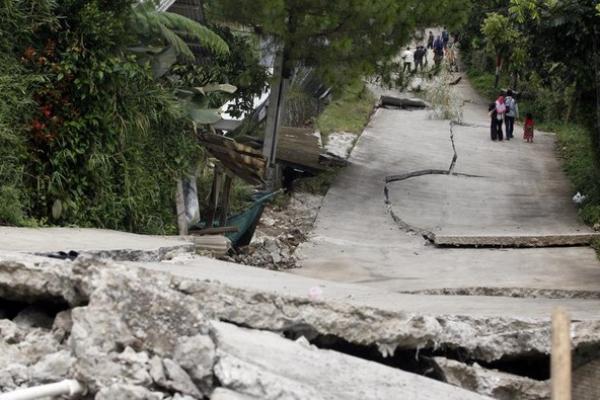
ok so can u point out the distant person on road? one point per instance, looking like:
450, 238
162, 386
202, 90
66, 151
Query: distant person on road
445, 37
528, 128
500, 112
451, 56
512, 112
493, 128
438, 51
418, 57
430, 40
407, 57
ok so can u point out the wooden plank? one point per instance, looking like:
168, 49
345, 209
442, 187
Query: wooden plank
225, 202
299, 146
214, 197
180, 205
214, 231
561, 355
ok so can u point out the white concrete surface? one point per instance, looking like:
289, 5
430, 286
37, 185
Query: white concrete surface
356, 241
364, 295
46, 240
266, 366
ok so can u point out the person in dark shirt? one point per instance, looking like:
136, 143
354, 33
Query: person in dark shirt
418, 57
493, 122
430, 40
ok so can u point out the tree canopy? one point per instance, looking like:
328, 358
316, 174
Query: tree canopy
340, 38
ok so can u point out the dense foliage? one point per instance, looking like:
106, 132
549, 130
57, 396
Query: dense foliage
88, 137
342, 39
551, 54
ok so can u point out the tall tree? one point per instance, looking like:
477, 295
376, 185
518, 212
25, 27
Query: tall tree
341, 39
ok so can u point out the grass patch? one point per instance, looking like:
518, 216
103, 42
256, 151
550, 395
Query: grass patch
581, 166
483, 82
348, 112
318, 184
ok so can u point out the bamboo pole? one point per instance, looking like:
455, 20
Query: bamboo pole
561, 355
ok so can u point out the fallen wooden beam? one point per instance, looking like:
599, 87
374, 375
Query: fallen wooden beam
214, 231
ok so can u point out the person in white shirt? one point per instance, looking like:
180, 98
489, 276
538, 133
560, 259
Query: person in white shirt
407, 57
512, 112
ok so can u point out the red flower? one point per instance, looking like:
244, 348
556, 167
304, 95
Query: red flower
29, 53
47, 111
37, 125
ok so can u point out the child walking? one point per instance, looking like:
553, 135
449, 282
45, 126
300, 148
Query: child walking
528, 128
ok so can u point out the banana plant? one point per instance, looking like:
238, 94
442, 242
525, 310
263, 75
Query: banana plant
163, 37
197, 102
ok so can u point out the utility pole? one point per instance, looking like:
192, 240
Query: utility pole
276, 101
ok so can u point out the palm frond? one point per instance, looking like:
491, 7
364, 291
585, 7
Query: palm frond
176, 41
173, 28
194, 30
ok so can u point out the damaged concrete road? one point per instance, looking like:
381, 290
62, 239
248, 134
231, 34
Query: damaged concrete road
135, 334
496, 384
98, 242
281, 302
355, 239
269, 367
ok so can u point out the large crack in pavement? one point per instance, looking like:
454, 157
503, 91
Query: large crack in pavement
515, 292
90, 288
427, 235
477, 241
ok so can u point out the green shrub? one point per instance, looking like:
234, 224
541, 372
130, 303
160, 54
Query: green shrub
82, 124
348, 112
581, 166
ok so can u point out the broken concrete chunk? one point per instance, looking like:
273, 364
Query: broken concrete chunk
53, 367
62, 325
9, 332
127, 392
493, 383
267, 366
226, 394
157, 370
28, 278
15, 375
168, 375
178, 380
196, 355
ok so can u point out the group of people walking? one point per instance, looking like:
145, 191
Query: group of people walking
504, 111
443, 46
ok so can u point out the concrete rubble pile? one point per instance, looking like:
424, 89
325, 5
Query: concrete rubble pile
280, 231
128, 333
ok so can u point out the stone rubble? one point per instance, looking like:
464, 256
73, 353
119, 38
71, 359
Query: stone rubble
493, 383
133, 334
130, 333
279, 232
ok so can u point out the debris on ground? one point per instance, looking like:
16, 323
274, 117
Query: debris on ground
131, 333
340, 144
281, 229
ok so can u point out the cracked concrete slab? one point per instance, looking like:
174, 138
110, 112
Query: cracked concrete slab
356, 241
486, 328
454, 207
276, 301
266, 366
493, 383
100, 242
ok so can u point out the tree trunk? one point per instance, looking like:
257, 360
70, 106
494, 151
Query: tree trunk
276, 101
597, 68
498, 67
